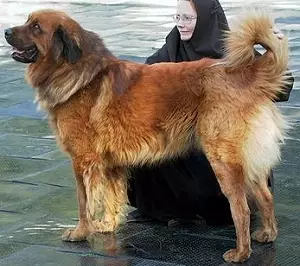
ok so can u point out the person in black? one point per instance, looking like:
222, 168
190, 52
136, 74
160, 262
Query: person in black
186, 188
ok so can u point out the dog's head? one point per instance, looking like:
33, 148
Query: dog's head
46, 34
63, 57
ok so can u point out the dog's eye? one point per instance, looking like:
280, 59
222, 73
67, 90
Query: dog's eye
36, 26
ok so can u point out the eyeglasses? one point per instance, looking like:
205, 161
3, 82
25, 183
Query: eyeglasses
184, 18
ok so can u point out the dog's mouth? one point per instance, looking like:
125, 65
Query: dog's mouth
28, 55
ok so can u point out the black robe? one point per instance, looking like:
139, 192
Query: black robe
186, 187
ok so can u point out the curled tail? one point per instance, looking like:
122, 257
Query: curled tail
255, 27
266, 77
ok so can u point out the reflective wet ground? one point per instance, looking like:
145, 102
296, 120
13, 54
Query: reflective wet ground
37, 190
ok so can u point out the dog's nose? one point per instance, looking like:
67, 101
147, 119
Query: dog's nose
8, 33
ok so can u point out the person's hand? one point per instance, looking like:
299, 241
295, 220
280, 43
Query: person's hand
278, 33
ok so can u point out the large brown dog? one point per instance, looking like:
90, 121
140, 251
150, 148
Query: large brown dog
109, 114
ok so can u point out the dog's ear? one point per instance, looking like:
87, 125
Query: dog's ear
57, 46
63, 45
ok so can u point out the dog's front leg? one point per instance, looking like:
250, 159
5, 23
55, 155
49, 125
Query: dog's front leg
83, 228
102, 197
113, 193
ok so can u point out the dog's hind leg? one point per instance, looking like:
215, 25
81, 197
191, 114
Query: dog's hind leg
264, 201
261, 153
230, 176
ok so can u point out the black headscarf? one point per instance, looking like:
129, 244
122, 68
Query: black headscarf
207, 37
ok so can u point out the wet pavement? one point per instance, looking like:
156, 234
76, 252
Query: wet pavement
37, 189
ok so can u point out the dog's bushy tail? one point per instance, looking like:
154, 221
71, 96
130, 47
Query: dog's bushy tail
255, 27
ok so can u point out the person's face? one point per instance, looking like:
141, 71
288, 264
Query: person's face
185, 18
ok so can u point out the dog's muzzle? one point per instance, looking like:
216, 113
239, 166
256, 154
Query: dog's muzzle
20, 54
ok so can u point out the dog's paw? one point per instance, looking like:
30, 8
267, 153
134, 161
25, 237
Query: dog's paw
233, 255
264, 235
75, 235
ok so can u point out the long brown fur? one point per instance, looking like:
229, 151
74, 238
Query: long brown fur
110, 114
